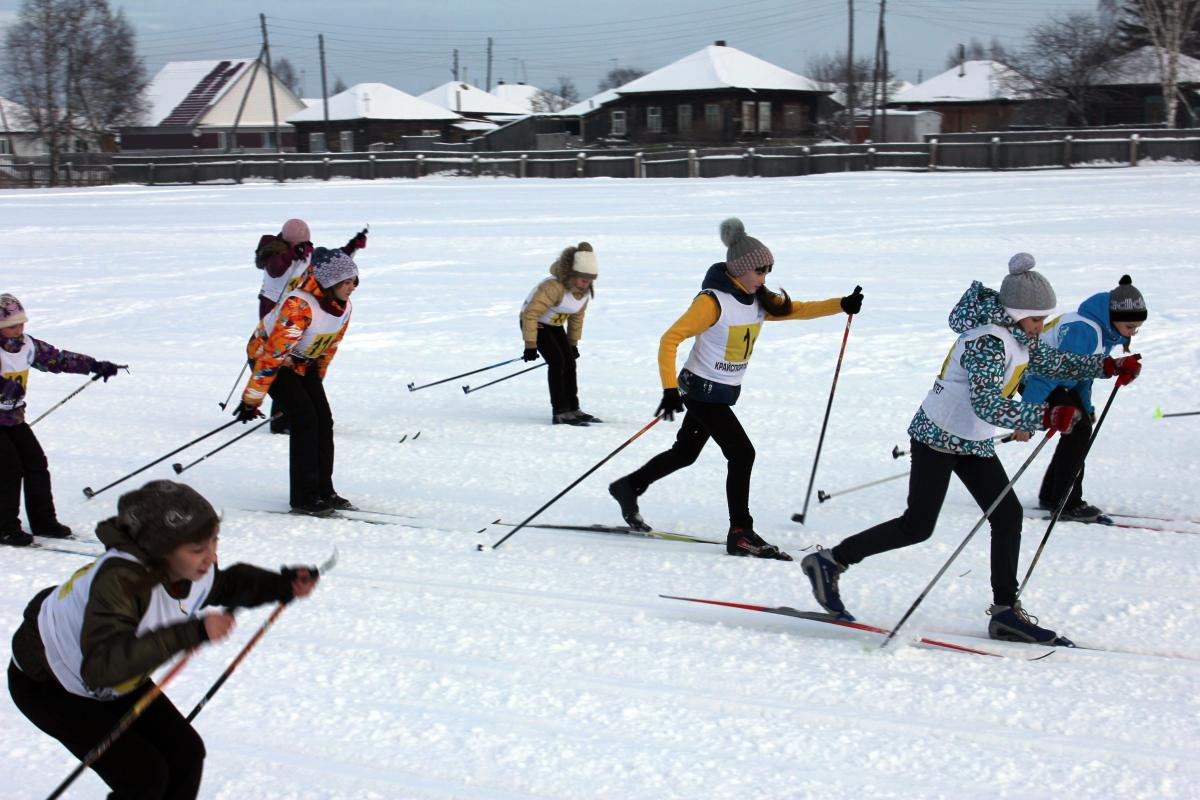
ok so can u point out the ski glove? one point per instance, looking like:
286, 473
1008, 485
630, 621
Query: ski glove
575, 352
105, 369
671, 405
11, 391
302, 251
359, 242
852, 303
1061, 418
530, 354
300, 581
1126, 369
246, 412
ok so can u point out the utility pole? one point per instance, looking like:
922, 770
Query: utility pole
454, 69
880, 61
324, 91
850, 76
883, 78
271, 83
488, 88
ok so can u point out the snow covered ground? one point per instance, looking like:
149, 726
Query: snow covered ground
550, 668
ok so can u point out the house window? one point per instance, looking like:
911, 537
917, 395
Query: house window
764, 117
685, 118
431, 132
346, 141
618, 123
268, 141
5, 147
222, 139
654, 119
316, 143
712, 117
795, 117
748, 116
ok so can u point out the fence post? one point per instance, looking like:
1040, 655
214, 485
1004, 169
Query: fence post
282, 170
524, 168
31, 176
933, 154
151, 166
693, 164
475, 166
325, 168
637, 165
371, 167
750, 164
195, 172
994, 153
420, 164
237, 171
580, 165
1133, 150
870, 158
806, 161
1067, 161
70, 181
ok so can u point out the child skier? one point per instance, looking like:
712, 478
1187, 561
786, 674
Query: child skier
952, 433
290, 353
85, 651
1103, 321
725, 318
22, 460
563, 297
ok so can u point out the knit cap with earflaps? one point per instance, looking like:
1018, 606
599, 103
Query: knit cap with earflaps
744, 253
163, 515
11, 311
1125, 303
331, 266
1024, 292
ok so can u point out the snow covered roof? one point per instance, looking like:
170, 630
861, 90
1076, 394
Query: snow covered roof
13, 120
373, 101
973, 82
520, 94
719, 67
591, 104
467, 99
477, 125
1140, 67
183, 90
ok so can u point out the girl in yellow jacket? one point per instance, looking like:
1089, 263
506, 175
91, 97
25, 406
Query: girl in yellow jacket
725, 319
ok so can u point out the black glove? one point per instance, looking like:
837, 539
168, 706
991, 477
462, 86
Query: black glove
530, 354
852, 303
671, 404
302, 251
306, 575
246, 412
575, 352
105, 369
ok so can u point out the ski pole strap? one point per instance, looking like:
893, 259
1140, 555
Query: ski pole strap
469, 389
413, 388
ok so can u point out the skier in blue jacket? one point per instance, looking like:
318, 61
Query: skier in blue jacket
1103, 321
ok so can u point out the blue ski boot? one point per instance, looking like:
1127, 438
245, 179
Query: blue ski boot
1015, 624
823, 573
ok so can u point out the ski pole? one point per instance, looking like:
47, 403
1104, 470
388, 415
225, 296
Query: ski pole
986, 515
52, 408
822, 495
89, 492
1001, 439
412, 387
1062, 504
1158, 414
179, 468
828, 406
123, 725
574, 483
236, 383
468, 389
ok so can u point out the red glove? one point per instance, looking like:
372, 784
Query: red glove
1126, 369
1061, 418
302, 251
359, 242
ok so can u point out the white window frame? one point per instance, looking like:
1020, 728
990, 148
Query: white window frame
618, 123
764, 116
346, 141
654, 119
713, 118
317, 143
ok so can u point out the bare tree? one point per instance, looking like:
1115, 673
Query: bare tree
1168, 23
1064, 59
339, 85
976, 50
563, 95
73, 64
1133, 33
287, 75
832, 69
619, 76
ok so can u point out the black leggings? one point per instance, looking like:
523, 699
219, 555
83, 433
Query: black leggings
1068, 455
702, 422
22, 460
311, 423
927, 484
160, 756
560, 368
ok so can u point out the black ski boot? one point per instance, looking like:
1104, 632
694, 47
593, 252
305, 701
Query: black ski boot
823, 573
568, 418
15, 537
745, 542
338, 503
314, 508
586, 417
1014, 624
626, 495
52, 529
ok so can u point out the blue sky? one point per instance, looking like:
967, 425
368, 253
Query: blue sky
410, 45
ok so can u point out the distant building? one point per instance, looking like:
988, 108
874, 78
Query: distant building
370, 114
1131, 90
471, 101
973, 96
529, 98
214, 105
17, 136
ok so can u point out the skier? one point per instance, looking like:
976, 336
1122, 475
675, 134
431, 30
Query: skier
563, 297
952, 433
22, 460
1103, 321
725, 318
290, 353
85, 651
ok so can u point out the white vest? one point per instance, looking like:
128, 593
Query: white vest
722, 352
15, 367
275, 289
948, 403
319, 335
557, 315
1052, 333
60, 623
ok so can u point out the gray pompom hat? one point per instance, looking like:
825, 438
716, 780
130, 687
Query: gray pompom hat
745, 253
163, 515
1025, 292
1125, 303
331, 266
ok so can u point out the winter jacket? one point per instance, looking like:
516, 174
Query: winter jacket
984, 361
47, 359
114, 653
548, 294
1078, 337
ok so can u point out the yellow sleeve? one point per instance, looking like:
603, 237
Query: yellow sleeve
549, 294
702, 315
802, 309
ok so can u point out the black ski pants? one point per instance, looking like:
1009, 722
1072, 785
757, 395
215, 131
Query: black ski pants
560, 368
311, 449
23, 462
927, 485
160, 757
702, 422
1068, 455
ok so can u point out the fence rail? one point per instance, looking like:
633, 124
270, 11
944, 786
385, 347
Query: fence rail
958, 152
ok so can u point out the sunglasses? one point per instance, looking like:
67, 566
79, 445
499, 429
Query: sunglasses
764, 270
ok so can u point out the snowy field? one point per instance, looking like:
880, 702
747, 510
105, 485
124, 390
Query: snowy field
550, 668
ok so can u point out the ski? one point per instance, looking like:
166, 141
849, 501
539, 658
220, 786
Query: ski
338, 515
618, 530
1108, 521
1191, 520
829, 619
54, 548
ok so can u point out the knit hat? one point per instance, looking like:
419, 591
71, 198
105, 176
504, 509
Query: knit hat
1125, 303
11, 311
163, 515
745, 253
331, 266
1025, 293
583, 262
295, 231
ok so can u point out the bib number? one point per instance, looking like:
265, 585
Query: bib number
320, 345
739, 346
21, 377
559, 318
